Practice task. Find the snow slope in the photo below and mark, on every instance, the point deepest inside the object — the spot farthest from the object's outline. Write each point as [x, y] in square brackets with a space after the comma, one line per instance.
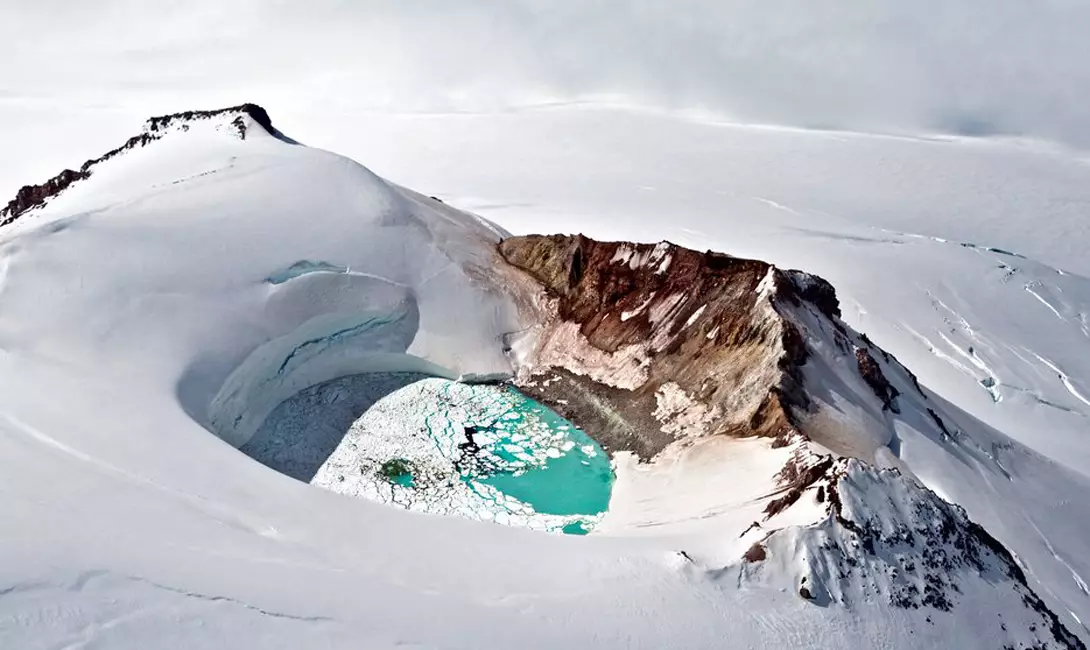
[164, 306]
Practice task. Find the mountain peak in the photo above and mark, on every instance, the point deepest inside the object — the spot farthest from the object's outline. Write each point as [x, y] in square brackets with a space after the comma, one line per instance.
[258, 114]
[236, 119]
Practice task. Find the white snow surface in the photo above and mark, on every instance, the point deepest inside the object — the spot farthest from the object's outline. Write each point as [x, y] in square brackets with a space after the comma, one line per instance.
[161, 309]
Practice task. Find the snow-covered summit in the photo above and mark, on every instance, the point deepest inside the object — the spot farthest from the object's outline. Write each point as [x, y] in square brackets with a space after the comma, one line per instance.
[236, 120]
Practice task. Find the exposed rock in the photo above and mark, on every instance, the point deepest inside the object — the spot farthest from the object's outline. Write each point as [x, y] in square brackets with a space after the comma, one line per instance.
[939, 547]
[872, 374]
[755, 553]
[649, 346]
[257, 113]
[813, 289]
[31, 196]
[652, 343]
[34, 196]
[802, 471]
[939, 422]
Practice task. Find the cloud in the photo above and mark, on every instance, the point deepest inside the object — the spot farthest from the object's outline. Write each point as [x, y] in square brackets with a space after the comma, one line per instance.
[978, 67]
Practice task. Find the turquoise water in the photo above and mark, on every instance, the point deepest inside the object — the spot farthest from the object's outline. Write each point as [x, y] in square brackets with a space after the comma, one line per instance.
[579, 482]
[526, 452]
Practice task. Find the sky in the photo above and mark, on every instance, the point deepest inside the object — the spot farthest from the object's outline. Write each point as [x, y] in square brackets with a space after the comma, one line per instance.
[91, 72]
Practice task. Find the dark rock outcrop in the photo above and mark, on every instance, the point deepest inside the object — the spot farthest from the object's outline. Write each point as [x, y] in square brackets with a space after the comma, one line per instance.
[257, 113]
[800, 473]
[814, 290]
[872, 374]
[32, 196]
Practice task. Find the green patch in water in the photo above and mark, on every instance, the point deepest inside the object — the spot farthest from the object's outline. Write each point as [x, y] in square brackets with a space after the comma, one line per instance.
[397, 471]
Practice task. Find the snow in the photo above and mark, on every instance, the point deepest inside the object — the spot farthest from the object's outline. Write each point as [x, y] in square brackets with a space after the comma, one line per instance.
[700, 495]
[143, 340]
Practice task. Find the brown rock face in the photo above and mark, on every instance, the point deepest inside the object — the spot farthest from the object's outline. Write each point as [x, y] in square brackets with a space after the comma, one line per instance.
[872, 374]
[646, 343]
[34, 196]
[756, 553]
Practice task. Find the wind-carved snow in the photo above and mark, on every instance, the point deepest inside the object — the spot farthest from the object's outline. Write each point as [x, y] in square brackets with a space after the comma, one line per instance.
[657, 256]
[1031, 287]
[322, 349]
[1064, 379]
[304, 267]
[623, 254]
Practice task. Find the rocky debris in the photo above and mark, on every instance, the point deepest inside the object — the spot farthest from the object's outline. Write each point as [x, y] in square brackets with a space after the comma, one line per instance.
[872, 374]
[618, 419]
[35, 196]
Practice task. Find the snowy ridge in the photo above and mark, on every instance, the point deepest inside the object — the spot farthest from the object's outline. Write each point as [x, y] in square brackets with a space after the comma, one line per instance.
[887, 540]
[236, 120]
